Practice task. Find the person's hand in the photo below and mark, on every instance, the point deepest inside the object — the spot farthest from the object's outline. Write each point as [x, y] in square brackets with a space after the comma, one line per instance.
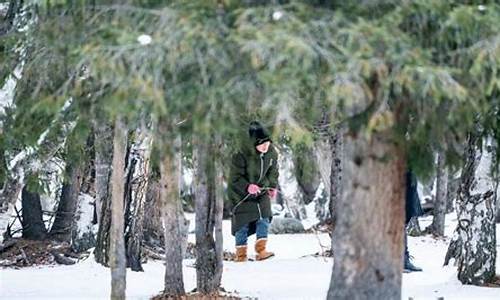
[272, 193]
[253, 189]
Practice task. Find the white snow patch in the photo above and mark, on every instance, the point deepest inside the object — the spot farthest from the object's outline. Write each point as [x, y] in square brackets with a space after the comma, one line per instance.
[277, 15]
[144, 39]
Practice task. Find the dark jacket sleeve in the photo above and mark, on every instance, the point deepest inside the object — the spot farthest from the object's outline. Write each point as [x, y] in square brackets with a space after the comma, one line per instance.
[271, 178]
[238, 175]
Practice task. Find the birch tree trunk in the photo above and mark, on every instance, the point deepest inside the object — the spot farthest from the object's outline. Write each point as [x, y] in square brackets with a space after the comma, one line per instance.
[474, 242]
[117, 242]
[368, 237]
[323, 156]
[170, 170]
[440, 203]
[208, 206]
[290, 190]
[136, 197]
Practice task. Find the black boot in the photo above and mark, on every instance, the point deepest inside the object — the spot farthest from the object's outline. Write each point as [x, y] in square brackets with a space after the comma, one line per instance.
[408, 266]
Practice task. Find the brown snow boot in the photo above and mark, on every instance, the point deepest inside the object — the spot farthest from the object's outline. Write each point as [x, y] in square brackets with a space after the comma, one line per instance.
[241, 254]
[260, 249]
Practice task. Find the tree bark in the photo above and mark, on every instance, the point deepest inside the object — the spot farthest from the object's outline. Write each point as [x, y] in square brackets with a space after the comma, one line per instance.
[438, 221]
[172, 219]
[337, 149]
[33, 226]
[136, 197]
[208, 205]
[65, 215]
[103, 133]
[117, 242]
[307, 174]
[103, 143]
[368, 237]
[153, 225]
[452, 190]
[474, 242]
[292, 195]
[323, 156]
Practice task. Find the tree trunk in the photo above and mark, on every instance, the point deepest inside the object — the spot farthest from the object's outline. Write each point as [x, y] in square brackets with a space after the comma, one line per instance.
[33, 226]
[439, 211]
[337, 149]
[117, 242]
[103, 133]
[208, 205]
[136, 189]
[153, 225]
[170, 170]
[290, 190]
[474, 243]
[497, 197]
[368, 237]
[103, 143]
[452, 190]
[65, 215]
[323, 156]
[307, 174]
[84, 235]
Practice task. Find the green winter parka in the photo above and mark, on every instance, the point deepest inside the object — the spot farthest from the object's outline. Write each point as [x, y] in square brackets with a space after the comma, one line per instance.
[250, 166]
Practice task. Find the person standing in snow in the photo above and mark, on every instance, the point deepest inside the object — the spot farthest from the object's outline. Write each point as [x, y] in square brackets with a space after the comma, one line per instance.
[413, 209]
[252, 184]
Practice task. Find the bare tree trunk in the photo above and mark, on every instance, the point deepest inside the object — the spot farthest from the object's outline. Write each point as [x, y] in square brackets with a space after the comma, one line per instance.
[452, 190]
[306, 172]
[33, 226]
[153, 225]
[337, 149]
[64, 221]
[292, 195]
[474, 243]
[438, 221]
[323, 156]
[117, 242]
[103, 143]
[103, 133]
[136, 197]
[172, 219]
[208, 217]
[497, 197]
[368, 237]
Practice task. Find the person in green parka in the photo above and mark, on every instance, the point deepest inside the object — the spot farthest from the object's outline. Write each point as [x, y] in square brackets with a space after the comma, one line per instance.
[252, 184]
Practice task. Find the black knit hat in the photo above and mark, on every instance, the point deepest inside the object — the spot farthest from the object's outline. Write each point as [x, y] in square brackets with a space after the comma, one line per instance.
[257, 131]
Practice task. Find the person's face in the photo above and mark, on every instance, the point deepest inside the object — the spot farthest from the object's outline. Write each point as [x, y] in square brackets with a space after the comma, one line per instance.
[264, 147]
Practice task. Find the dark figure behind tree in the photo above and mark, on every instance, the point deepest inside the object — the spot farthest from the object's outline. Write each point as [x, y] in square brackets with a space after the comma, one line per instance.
[413, 209]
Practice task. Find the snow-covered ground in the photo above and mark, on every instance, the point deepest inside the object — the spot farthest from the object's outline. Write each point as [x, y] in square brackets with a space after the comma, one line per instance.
[292, 274]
